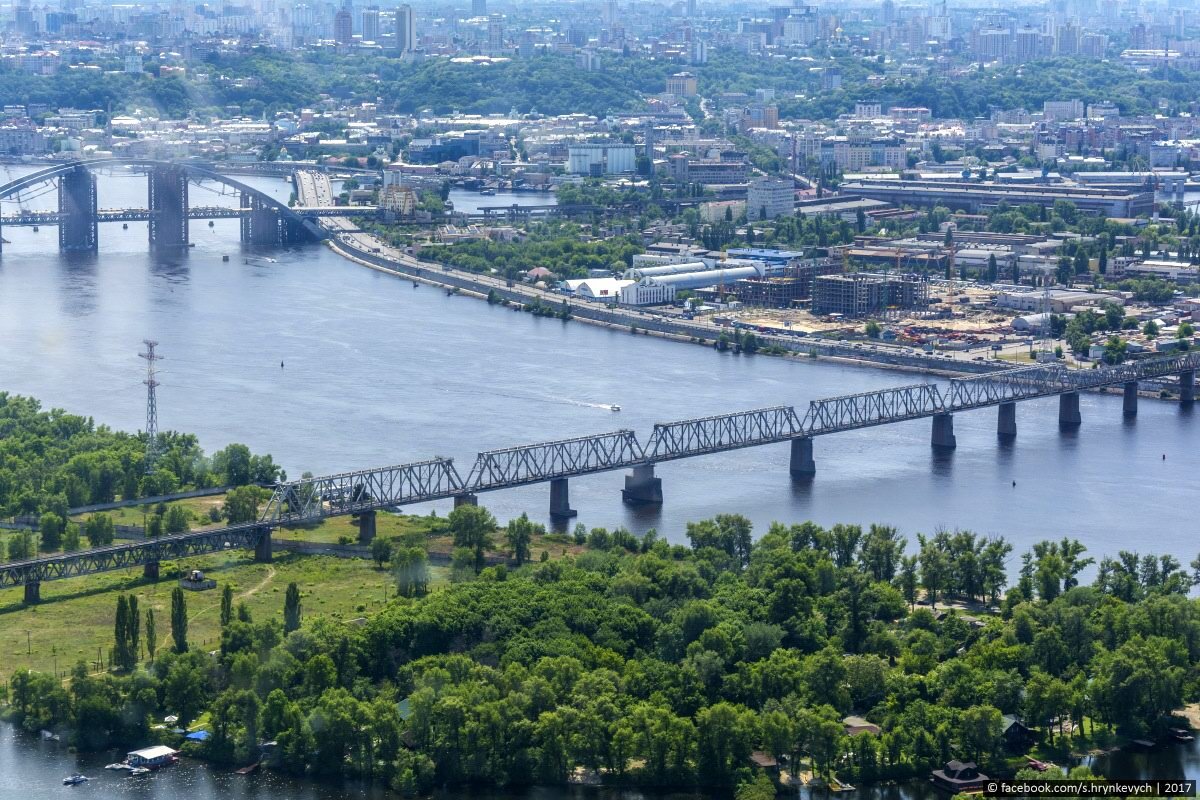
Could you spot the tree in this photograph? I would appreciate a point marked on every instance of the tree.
(71, 538)
(980, 729)
(411, 567)
(179, 620)
(121, 655)
(50, 526)
(135, 628)
(381, 551)
(241, 503)
(176, 520)
(151, 634)
(519, 534)
(99, 530)
(472, 527)
(1114, 350)
(226, 605)
(872, 329)
(291, 609)
(1150, 329)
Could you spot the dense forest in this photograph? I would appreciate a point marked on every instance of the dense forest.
(666, 665)
(555, 246)
(263, 81)
(51, 461)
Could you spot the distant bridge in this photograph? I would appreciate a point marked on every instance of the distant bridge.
(264, 220)
(363, 492)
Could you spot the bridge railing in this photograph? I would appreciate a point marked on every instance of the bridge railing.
(715, 434)
(866, 409)
(313, 499)
(516, 466)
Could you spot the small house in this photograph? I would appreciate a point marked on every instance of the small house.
(856, 725)
(959, 776)
(152, 757)
(1016, 735)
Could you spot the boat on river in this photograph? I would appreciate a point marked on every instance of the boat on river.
(75, 780)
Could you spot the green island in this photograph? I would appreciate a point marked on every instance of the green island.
(461, 651)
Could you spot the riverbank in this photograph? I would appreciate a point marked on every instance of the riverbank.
(481, 287)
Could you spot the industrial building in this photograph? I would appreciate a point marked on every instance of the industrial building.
(636, 273)
(600, 158)
(860, 293)
(976, 197)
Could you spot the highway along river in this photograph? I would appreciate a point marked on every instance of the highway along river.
(376, 371)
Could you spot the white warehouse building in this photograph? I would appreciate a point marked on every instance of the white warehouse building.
(600, 158)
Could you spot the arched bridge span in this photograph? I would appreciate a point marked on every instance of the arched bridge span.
(265, 220)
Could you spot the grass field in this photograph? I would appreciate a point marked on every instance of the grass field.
(197, 507)
(75, 617)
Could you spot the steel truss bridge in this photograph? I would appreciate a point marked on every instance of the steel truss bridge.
(363, 492)
(264, 220)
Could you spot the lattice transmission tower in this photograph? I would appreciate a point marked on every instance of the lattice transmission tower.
(151, 404)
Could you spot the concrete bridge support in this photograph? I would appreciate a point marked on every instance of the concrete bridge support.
(641, 487)
(1187, 387)
(366, 527)
(1129, 401)
(262, 550)
(167, 192)
(77, 201)
(1006, 420)
(33, 593)
(261, 224)
(150, 570)
(943, 432)
(465, 500)
(802, 464)
(1068, 410)
(560, 500)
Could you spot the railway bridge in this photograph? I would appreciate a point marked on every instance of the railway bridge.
(363, 492)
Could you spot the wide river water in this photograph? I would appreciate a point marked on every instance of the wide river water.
(377, 372)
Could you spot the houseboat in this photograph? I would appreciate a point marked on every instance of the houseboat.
(152, 757)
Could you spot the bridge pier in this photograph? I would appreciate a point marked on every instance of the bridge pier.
(150, 570)
(262, 549)
(641, 487)
(1006, 420)
(366, 527)
(77, 203)
(1068, 410)
(167, 192)
(33, 593)
(1187, 386)
(1129, 401)
(943, 432)
(465, 500)
(802, 464)
(560, 500)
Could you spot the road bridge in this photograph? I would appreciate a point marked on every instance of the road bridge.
(264, 220)
(364, 492)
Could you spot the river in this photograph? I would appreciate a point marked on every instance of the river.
(376, 371)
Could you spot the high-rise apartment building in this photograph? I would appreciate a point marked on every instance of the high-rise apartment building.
(495, 33)
(406, 31)
(479, 8)
(343, 25)
(370, 24)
